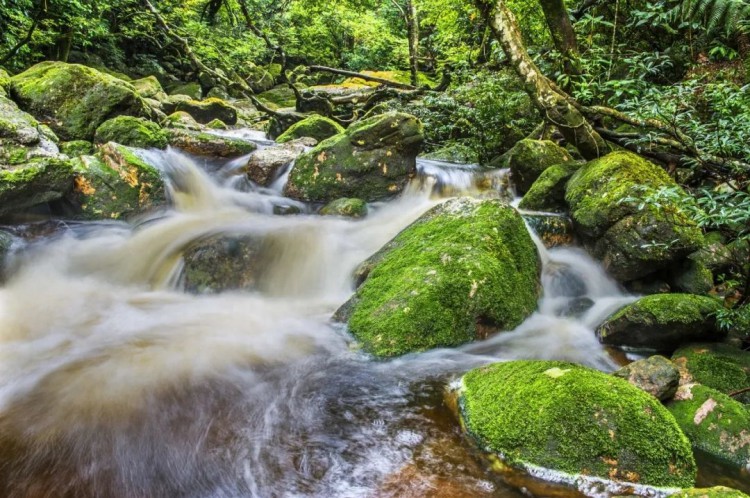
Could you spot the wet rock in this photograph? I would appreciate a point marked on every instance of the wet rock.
(373, 159)
(31, 169)
(553, 230)
(217, 124)
(258, 79)
(207, 144)
(116, 183)
(718, 427)
(192, 90)
(719, 366)
(181, 120)
(131, 131)
(692, 277)
(530, 158)
(547, 193)
(662, 322)
(464, 269)
(265, 164)
(631, 237)
(222, 263)
(453, 153)
(149, 88)
(656, 375)
(349, 208)
(205, 111)
(578, 422)
(315, 126)
(286, 210)
(715, 492)
(280, 97)
(74, 99)
(576, 307)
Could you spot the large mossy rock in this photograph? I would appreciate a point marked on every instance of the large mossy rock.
(373, 159)
(208, 144)
(149, 88)
(631, 237)
(131, 131)
(718, 428)
(265, 164)
(547, 193)
(116, 183)
(578, 422)
(662, 322)
(317, 127)
(348, 208)
(464, 269)
(74, 99)
(528, 159)
(205, 111)
(4, 83)
(715, 492)
(719, 366)
(31, 169)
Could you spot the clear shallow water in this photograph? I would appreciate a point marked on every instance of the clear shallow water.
(115, 383)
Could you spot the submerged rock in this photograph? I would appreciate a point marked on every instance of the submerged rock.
(719, 366)
(464, 269)
(350, 208)
(662, 322)
(631, 237)
(131, 131)
(656, 375)
(547, 193)
(74, 99)
(116, 183)
(265, 164)
(315, 126)
(221, 263)
(205, 111)
(528, 159)
(718, 428)
(581, 424)
(373, 159)
(208, 144)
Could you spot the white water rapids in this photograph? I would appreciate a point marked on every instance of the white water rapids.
(115, 383)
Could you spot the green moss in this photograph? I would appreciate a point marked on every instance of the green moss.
(149, 88)
(315, 126)
(715, 492)
(181, 120)
(454, 153)
(547, 193)
(463, 269)
(595, 192)
(529, 158)
(718, 366)
(716, 425)
(192, 90)
(133, 132)
(279, 97)
(351, 208)
(38, 181)
(76, 148)
(574, 420)
(217, 124)
(76, 99)
(662, 322)
(371, 160)
(4, 83)
(205, 111)
(207, 144)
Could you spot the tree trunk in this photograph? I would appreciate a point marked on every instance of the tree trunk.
(556, 107)
(563, 36)
(412, 27)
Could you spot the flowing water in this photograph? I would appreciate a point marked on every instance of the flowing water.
(115, 383)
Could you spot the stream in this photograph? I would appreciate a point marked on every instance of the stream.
(114, 382)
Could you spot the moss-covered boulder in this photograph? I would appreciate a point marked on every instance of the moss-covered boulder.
(692, 277)
(454, 153)
(719, 366)
(315, 126)
(131, 131)
(656, 375)
(463, 270)
(547, 193)
(217, 124)
(715, 492)
(258, 79)
(4, 83)
(280, 97)
(76, 148)
(74, 99)
(349, 208)
(149, 88)
(116, 183)
(205, 111)
(192, 90)
(265, 165)
(662, 322)
(181, 120)
(585, 426)
(529, 158)
(633, 238)
(373, 159)
(222, 263)
(31, 169)
(207, 144)
(718, 428)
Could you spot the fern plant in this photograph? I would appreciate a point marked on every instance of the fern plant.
(730, 17)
